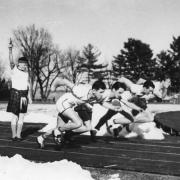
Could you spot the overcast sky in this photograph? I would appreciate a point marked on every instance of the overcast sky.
(107, 24)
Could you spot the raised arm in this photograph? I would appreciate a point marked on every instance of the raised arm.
(12, 64)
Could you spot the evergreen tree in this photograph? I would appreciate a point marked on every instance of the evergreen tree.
(165, 64)
(175, 56)
(89, 63)
(134, 61)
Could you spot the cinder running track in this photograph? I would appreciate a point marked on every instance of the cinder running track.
(147, 156)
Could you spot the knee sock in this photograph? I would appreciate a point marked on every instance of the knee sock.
(128, 128)
(105, 118)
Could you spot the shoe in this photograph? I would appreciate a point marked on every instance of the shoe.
(57, 136)
(116, 131)
(19, 139)
(14, 139)
(68, 136)
(93, 133)
(40, 141)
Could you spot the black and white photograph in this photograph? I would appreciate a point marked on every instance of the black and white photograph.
(90, 89)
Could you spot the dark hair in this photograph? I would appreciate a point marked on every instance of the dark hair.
(22, 60)
(98, 85)
(118, 85)
(140, 102)
(148, 84)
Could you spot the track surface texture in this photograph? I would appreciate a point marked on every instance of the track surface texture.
(145, 156)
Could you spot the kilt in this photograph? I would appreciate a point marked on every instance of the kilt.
(14, 104)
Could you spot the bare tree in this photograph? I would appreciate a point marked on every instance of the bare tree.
(47, 73)
(72, 71)
(36, 45)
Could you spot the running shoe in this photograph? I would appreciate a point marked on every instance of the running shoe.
(14, 139)
(68, 136)
(116, 131)
(19, 139)
(57, 136)
(93, 133)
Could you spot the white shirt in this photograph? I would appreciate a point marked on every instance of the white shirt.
(78, 96)
(19, 79)
(158, 89)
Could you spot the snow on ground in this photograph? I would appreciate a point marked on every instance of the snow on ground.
(17, 168)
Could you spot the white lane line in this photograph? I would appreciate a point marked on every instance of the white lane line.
(105, 148)
(152, 152)
(111, 165)
(136, 143)
(27, 125)
(26, 140)
(90, 154)
(140, 144)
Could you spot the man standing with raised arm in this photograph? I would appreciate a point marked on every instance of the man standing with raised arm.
(19, 96)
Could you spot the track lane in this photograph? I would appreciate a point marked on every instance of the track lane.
(133, 155)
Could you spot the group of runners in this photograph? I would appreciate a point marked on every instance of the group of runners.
(75, 107)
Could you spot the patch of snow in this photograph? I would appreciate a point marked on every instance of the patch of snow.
(18, 168)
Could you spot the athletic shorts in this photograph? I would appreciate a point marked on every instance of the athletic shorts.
(83, 111)
(14, 104)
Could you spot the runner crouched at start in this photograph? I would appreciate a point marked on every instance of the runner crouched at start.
(68, 119)
(80, 95)
(143, 125)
